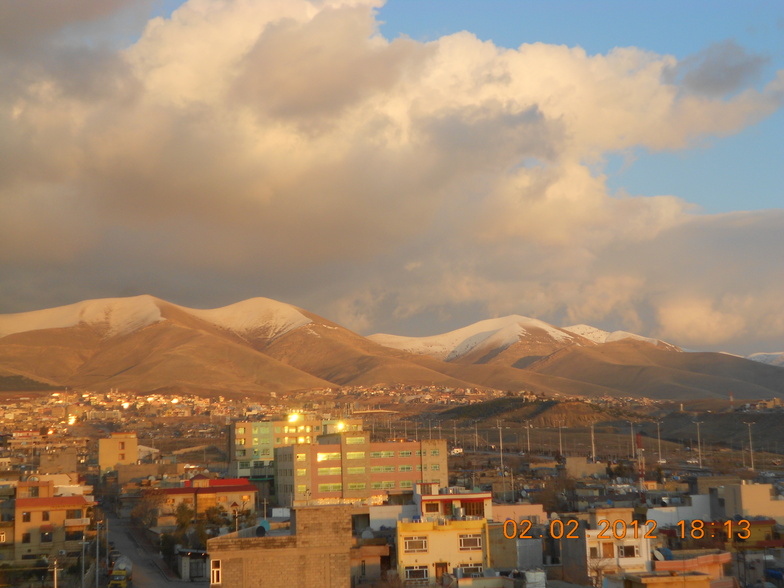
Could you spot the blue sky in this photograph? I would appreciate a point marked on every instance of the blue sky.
(739, 172)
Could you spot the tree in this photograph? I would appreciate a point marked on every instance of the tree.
(183, 516)
(146, 510)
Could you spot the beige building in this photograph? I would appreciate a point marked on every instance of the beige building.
(48, 525)
(748, 501)
(314, 552)
(348, 467)
(426, 550)
(120, 448)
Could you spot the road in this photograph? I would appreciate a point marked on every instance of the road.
(146, 573)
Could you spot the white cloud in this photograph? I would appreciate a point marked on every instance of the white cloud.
(289, 149)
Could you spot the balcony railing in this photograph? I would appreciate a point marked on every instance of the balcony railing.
(77, 522)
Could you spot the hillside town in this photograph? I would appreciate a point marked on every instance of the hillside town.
(109, 489)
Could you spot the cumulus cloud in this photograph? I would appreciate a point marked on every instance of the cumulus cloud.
(287, 149)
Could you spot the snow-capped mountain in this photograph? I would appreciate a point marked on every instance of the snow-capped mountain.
(600, 336)
(771, 358)
(481, 338)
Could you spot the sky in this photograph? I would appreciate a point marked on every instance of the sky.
(407, 167)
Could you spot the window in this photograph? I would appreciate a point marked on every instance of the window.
(240, 453)
(355, 440)
(419, 453)
(25, 537)
(328, 457)
(239, 442)
(474, 509)
(302, 471)
(435, 467)
(356, 486)
(414, 544)
(46, 537)
(245, 464)
(240, 431)
(215, 571)
(2, 536)
(356, 471)
(382, 454)
(25, 517)
(416, 572)
(406, 484)
(470, 569)
(300, 457)
(471, 542)
(73, 514)
(330, 487)
(593, 553)
(405, 468)
(387, 485)
(608, 550)
(435, 452)
(301, 488)
(405, 454)
(45, 515)
(329, 471)
(121, 456)
(381, 469)
(122, 445)
(355, 455)
(628, 551)
(431, 507)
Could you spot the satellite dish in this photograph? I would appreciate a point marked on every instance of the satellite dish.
(260, 531)
(658, 555)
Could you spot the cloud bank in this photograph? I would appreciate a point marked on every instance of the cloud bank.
(287, 149)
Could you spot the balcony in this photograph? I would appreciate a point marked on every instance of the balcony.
(77, 522)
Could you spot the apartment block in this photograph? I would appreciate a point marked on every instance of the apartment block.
(120, 448)
(348, 467)
(253, 443)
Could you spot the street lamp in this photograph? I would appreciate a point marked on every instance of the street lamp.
(235, 509)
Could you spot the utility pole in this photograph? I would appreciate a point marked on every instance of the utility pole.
(593, 446)
(454, 428)
(631, 432)
(560, 440)
(501, 446)
(55, 573)
(528, 431)
(107, 541)
(751, 448)
(97, 551)
(476, 438)
(699, 443)
(658, 435)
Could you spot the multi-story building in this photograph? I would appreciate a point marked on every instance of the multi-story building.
(47, 525)
(348, 467)
(314, 552)
(426, 550)
(120, 448)
(253, 443)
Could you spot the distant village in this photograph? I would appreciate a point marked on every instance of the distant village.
(371, 487)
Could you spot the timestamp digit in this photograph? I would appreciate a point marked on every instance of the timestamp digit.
(574, 524)
(514, 529)
(649, 533)
(524, 532)
(697, 529)
(605, 526)
(619, 529)
(746, 533)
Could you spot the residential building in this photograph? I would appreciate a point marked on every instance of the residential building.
(348, 467)
(746, 501)
(230, 495)
(120, 448)
(253, 442)
(47, 525)
(426, 550)
(315, 552)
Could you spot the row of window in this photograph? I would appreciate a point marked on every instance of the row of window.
(338, 487)
(69, 514)
(405, 453)
(466, 542)
(421, 572)
(46, 536)
(606, 550)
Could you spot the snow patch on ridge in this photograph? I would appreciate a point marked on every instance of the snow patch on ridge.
(497, 333)
(117, 316)
(771, 358)
(255, 314)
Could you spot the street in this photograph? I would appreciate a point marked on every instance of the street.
(146, 573)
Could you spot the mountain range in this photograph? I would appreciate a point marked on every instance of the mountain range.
(260, 345)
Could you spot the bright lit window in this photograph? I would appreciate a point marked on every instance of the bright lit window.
(215, 571)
